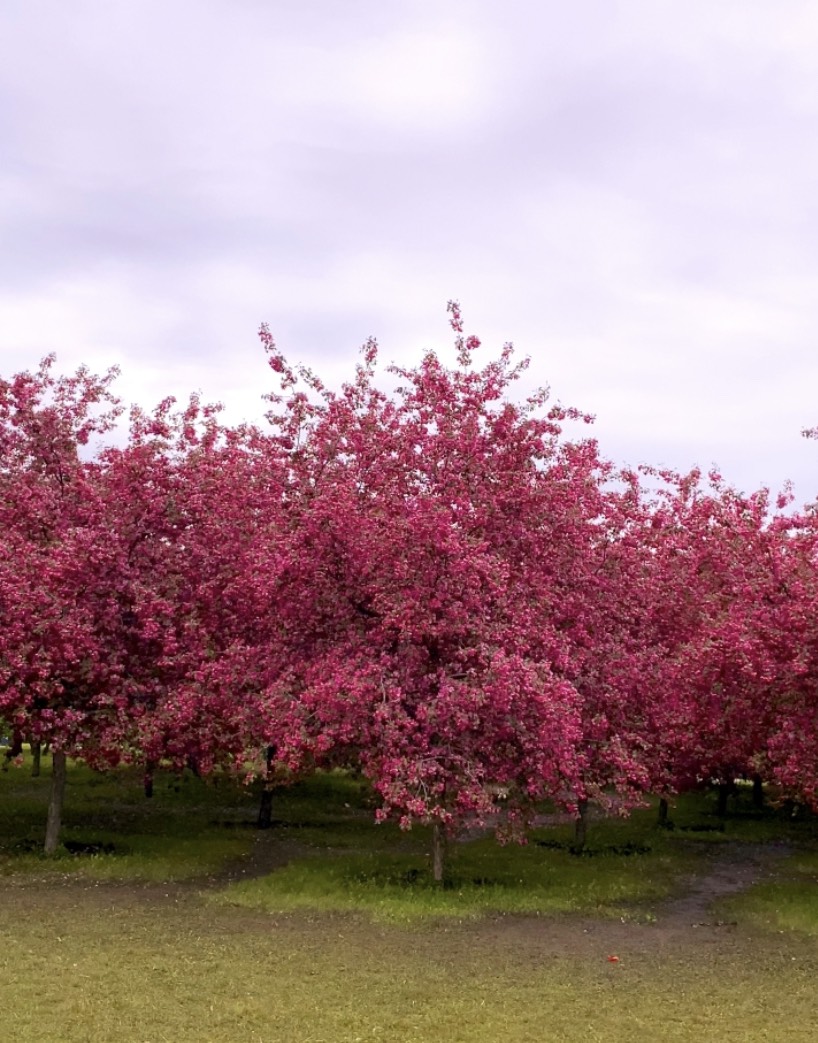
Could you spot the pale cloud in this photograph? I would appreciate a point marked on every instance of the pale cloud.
(625, 190)
(423, 81)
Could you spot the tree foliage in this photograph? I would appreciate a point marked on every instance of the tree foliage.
(445, 586)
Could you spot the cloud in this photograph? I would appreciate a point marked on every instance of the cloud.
(624, 190)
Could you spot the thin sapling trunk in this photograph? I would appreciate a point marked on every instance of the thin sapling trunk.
(36, 754)
(438, 851)
(580, 828)
(147, 779)
(55, 802)
(265, 811)
(723, 792)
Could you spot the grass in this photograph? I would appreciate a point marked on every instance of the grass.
(482, 879)
(694, 816)
(101, 966)
(341, 862)
(350, 942)
(788, 903)
(352, 867)
(119, 834)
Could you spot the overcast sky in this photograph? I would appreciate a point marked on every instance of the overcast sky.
(626, 190)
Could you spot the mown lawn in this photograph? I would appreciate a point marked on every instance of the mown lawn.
(148, 939)
(787, 904)
(95, 965)
(114, 832)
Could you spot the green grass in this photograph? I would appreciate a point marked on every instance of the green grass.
(91, 967)
(351, 943)
(351, 865)
(379, 872)
(341, 862)
(789, 903)
(694, 817)
(482, 878)
(148, 858)
(173, 836)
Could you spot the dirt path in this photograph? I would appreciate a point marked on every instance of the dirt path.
(685, 926)
(686, 923)
(269, 851)
(727, 868)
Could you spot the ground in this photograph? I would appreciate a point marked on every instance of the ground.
(92, 960)
(147, 963)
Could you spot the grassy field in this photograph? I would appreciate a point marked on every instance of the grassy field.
(160, 936)
(787, 904)
(116, 833)
(394, 886)
(96, 966)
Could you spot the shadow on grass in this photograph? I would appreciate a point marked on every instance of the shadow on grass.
(111, 831)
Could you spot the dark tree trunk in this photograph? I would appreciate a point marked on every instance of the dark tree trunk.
(438, 851)
(663, 811)
(580, 827)
(758, 792)
(147, 780)
(265, 810)
(55, 803)
(723, 792)
(36, 753)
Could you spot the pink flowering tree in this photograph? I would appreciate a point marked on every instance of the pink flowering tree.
(126, 609)
(718, 589)
(59, 663)
(446, 591)
(193, 515)
(793, 635)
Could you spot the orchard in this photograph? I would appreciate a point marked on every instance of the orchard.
(443, 587)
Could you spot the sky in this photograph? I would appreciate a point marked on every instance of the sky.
(627, 191)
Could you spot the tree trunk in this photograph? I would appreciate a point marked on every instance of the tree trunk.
(55, 802)
(265, 810)
(147, 779)
(663, 810)
(580, 827)
(724, 791)
(438, 851)
(758, 792)
(36, 752)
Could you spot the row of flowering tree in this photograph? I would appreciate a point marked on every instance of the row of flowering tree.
(445, 586)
